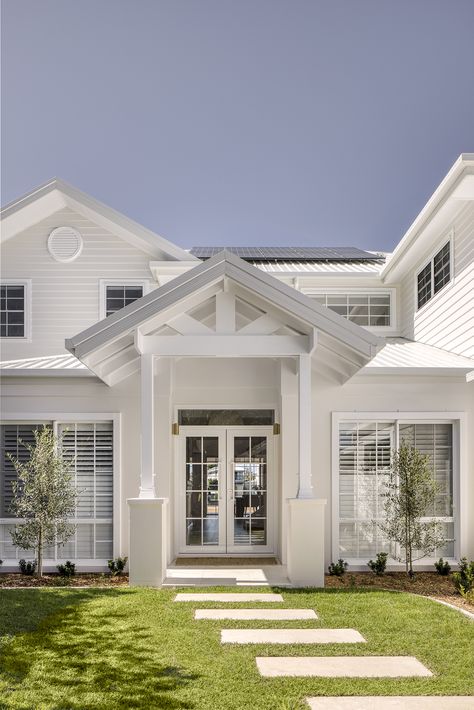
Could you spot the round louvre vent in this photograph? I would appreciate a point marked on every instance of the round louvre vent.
(65, 244)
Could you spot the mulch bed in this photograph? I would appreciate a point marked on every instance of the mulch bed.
(428, 584)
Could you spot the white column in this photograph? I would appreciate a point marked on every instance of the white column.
(305, 488)
(148, 541)
(147, 404)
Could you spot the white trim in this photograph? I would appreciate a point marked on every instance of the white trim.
(28, 286)
(460, 470)
(145, 284)
(448, 238)
(388, 291)
(94, 417)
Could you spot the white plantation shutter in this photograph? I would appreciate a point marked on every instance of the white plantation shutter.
(90, 446)
(364, 466)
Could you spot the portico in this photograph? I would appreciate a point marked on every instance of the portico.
(198, 342)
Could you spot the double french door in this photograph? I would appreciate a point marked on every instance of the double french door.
(225, 478)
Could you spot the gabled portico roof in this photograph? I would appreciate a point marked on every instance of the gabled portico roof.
(111, 347)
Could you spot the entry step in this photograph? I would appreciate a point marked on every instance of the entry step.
(291, 636)
(227, 597)
(256, 614)
(400, 702)
(342, 666)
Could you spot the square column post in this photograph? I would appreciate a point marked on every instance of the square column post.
(305, 541)
(305, 486)
(147, 420)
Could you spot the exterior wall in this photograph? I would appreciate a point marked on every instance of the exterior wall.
(447, 320)
(65, 297)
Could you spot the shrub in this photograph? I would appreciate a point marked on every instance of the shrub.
(378, 566)
(338, 568)
(443, 568)
(464, 579)
(117, 566)
(68, 569)
(27, 567)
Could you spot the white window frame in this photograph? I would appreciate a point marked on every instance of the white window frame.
(56, 418)
(104, 283)
(392, 292)
(447, 239)
(27, 284)
(460, 472)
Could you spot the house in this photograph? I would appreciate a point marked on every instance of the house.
(237, 401)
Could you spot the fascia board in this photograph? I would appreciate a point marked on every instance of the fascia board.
(44, 372)
(224, 264)
(464, 164)
(416, 371)
(56, 194)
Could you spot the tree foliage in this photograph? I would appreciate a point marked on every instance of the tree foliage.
(44, 496)
(410, 496)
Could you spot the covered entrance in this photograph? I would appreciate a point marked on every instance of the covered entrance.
(225, 482)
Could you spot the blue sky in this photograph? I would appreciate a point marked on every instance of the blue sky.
(241, 122)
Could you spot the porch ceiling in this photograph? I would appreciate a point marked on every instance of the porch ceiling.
(224, 307)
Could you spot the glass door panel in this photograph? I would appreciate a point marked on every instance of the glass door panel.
(202, 491)
(247, 511)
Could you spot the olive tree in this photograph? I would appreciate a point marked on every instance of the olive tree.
(44, 496)
(410, 495)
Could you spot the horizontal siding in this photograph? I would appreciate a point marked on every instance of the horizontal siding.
(447, 321)
(66, 296)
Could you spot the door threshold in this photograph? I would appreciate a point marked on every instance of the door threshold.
(224, 561)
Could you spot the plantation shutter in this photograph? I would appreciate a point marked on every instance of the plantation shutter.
(13, 438)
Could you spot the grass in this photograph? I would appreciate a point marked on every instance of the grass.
(134, 648)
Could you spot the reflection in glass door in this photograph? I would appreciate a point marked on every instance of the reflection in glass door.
(227, 473)
(247, 526)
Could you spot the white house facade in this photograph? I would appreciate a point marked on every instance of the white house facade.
(242, 401)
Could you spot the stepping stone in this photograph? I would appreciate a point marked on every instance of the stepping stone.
(254, 614)
(227, 597)
(342, 666)
(291, 636)
(401, 702)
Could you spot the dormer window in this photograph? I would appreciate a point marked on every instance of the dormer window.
(14, 312)
(115, 295)
(434, 275)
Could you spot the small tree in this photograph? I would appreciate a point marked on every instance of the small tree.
(411, 493)
(44, 496)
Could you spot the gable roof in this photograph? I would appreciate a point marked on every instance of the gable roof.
(57, 194)
(338, 338)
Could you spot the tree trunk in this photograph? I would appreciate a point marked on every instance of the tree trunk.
(39, 567)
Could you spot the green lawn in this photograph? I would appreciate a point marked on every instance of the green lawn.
(130, 648)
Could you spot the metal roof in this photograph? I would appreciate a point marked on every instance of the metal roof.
(400, 354)
(63, 364)
(290, 253)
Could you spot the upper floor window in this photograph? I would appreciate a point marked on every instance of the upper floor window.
(115, 295)
(434, 275)
(14, 309)
(366, 309)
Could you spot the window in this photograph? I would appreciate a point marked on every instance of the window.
(90, 446)
(364, 467)
(365, 309)
(118, 297)
(434, 275)
(13, 310)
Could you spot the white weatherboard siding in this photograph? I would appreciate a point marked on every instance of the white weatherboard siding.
(65, 297)
(447, 320)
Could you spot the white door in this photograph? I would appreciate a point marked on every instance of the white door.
(225, 488)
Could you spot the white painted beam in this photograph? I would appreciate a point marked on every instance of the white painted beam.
(225, 312)
(264, 325)
(187, 325)
(224, 345)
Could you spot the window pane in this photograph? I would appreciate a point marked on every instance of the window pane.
(117, 297)
(424, 285)
(442, 270)
(13, 311)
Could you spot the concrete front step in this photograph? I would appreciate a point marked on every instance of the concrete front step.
(400, 702)
(256, 614)
(342, 666)
(227, 597)
(287, 636)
